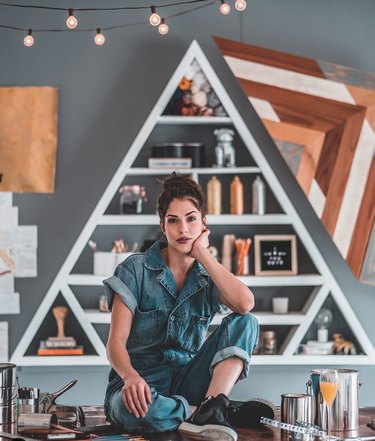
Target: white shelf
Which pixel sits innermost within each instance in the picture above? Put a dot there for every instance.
(194, 120)
(95, 316)
(223, 219)
(299, 280)
(267, 318)
(64, 360)
(143, 171)
(322, 285)
(251, 281)
(311, 360)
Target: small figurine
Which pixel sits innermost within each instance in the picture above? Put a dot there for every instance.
(224, 149)
(342, 346)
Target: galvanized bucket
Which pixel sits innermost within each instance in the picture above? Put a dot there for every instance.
(345, 408)
(8, 396)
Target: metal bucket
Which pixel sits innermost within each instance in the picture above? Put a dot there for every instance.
(8, 403)
(297, 407)
(344, 408)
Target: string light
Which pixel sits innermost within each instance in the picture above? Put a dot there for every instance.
(154, 17)
(71, 21)
(28, 41)
(240, 5)
(99, 38)
(224, 8)
(163, 28)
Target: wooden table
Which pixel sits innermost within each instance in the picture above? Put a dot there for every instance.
(95, 416)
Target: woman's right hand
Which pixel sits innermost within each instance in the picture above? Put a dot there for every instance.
(136, 395)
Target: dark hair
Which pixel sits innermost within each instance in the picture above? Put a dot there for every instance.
(181, 187)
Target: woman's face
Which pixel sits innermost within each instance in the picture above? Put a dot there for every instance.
(183, 223)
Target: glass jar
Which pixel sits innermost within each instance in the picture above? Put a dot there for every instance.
(131, 199)
(268, 342)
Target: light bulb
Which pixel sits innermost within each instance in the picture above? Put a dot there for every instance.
(224, 8)
(154, 17)
(99, 38)
(163, 28)
(240, 5)
(323, 320)
(28, 41)
(71, 21)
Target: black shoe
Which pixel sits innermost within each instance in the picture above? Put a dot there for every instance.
(248, 413)
(209, 421)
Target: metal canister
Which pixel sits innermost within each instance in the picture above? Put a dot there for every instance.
(345, 408)
(28, 400)
(297, 407)
(8, 404)
(36, 423)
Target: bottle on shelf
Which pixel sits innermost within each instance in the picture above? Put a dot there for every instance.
(259, 196)
(236, 196)
(214, 196)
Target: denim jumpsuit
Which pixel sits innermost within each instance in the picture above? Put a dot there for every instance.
(166, 344)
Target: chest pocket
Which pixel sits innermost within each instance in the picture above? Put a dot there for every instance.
(145, 327)
(196, 333)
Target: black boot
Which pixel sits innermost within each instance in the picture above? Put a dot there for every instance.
(248, 413)
(209, 421)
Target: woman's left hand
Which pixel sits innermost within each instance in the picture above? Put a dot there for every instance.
(201, 242)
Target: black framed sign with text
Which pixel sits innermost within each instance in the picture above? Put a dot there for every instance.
(275, 254)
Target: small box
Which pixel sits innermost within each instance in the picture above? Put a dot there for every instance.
(104, 263)
(120, 257)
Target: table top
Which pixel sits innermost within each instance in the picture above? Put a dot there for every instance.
(94, 416)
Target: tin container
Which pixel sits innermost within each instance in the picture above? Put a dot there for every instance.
(28, 400)
(36, 423)
(8, 395)
(345, 408)
(297, 407)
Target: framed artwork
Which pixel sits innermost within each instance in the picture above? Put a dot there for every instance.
(275, 255)
(322, 118)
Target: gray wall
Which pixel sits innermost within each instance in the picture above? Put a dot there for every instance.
(105, 95)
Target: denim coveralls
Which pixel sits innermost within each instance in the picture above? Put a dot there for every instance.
(167, 344)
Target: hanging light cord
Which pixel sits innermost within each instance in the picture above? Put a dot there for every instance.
(178, 14)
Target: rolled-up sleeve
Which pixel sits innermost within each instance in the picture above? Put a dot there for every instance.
(124, 283)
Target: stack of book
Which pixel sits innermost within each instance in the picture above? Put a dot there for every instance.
(60, 346)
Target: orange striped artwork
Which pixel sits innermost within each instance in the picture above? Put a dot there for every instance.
(328, 111)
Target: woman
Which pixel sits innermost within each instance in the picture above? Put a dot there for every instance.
(162, 303)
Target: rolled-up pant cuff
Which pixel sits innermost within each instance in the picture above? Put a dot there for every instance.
(184, 403)
(232, 351)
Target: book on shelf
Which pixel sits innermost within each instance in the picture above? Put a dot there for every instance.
(60, 342)
(169, 163)
(78, 350)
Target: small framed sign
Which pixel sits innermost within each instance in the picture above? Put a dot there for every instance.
(275, 255)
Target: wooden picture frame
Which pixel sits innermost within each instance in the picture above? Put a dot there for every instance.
(322, 118)
(275, 255)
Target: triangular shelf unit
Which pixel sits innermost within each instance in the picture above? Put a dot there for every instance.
(308, 290)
